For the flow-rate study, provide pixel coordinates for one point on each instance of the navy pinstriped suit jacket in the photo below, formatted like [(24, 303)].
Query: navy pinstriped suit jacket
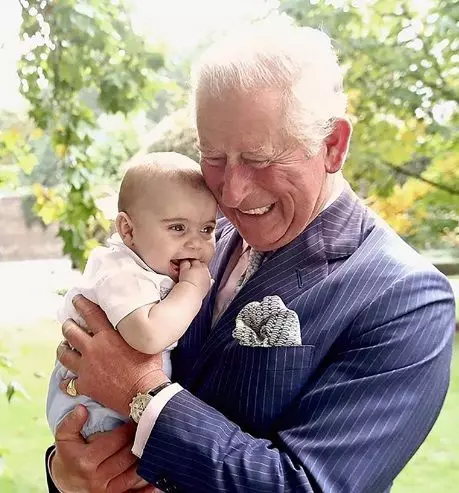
[(342, 413)]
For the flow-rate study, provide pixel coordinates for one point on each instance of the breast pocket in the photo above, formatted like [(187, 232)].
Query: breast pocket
[(257, 384)]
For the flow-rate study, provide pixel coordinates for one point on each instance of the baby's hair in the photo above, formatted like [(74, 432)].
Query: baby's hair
[(156, 167)]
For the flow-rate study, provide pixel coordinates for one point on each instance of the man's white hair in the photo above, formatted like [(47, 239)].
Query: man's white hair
[(298, 61)]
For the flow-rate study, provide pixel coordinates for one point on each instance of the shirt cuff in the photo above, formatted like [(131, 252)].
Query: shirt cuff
[(48, 465), (150, 416)]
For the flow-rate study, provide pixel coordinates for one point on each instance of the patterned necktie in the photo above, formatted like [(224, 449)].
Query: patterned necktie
[(248, 263), (255, 260)]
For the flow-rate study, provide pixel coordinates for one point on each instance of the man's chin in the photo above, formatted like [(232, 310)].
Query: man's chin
[(265, 233), (264, 240)]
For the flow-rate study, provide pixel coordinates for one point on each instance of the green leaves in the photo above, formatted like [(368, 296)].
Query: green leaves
[(402, 79), (16, 155), (9, 388), (88, 61), (16, 389), (27, 163), (5, 362)]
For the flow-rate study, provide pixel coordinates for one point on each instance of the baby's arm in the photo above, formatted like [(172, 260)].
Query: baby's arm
[(152, 328)]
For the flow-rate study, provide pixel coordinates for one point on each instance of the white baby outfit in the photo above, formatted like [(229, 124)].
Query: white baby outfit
[(119, 281)]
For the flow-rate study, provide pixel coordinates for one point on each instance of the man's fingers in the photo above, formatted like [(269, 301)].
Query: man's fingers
[(70, 359), (121, 461), (70, 427), (148, 489), (112, 442), (75, 335), (125, 481), (92, 314)]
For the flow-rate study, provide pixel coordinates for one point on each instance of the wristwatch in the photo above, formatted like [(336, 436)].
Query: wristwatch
[(140, 402)]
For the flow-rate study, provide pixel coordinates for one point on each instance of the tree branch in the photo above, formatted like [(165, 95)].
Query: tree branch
[(412, 174)]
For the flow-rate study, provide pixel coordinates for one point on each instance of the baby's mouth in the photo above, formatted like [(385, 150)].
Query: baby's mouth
[(174, 269)]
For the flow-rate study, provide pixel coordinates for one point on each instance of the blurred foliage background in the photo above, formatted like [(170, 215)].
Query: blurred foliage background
[(91, 80), (99, 85)]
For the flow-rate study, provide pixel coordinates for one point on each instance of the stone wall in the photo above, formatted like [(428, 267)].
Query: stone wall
[(23, 237)]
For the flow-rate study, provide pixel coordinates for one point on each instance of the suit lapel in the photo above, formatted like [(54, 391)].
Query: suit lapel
[(295, 268), (281, 275)]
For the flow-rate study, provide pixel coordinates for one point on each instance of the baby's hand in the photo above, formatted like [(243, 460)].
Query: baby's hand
[(196, 273)]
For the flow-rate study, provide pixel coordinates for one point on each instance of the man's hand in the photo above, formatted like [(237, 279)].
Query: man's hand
[(109, 370), (197, 273), (104, 465)]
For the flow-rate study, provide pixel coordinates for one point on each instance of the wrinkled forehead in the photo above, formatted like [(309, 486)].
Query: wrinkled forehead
[(242, 120)]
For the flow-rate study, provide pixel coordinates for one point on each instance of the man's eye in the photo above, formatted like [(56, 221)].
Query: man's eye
[(215, 160), (177, 227), (257, 163)]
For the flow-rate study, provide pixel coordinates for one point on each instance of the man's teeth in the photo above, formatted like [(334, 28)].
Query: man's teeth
[(259, 211)]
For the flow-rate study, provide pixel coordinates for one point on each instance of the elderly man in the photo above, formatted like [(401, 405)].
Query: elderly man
[(320, 359)]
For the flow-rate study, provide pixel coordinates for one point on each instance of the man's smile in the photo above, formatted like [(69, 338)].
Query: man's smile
[(259, 211)]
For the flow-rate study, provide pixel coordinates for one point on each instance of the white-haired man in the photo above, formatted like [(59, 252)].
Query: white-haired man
[(320, 360)]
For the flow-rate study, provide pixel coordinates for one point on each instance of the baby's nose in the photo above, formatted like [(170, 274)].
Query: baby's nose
[(193, 243)]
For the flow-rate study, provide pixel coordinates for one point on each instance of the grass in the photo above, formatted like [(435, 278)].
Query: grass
[(435, 467), (25, 434), (24, 431)]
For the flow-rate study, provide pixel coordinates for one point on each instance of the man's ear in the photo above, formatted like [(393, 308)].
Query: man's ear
[(125, 228), (337, 145)]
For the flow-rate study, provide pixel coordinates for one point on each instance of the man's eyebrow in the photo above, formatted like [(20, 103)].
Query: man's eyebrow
[(267, 149), (262, 148), (207, 147)]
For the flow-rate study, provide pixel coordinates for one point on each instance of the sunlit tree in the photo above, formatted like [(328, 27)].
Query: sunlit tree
[(85, 60)]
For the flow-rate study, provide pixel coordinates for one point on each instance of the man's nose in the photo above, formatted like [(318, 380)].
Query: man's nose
[(236, 184)]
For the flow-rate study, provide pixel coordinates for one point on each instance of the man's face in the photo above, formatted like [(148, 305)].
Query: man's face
[(263, 181)]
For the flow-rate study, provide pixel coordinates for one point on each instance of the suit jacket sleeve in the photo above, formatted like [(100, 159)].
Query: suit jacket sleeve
[(356, 425), (51, 486)]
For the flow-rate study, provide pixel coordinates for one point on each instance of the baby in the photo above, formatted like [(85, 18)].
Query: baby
[(153, 276)]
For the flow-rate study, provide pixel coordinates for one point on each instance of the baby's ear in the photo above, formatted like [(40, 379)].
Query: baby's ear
[(125, 228)]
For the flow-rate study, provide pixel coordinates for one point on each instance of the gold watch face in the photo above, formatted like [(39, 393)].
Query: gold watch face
[(138, 405)]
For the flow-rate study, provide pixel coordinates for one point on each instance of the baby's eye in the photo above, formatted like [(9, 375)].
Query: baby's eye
[(208, 230), (177, 227)]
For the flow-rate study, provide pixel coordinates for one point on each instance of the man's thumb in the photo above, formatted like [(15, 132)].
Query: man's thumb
[(70, 427)]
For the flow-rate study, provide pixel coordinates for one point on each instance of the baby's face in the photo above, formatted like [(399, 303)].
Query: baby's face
[(178, 223)]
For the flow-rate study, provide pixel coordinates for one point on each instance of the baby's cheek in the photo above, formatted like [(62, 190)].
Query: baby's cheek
[(210, 253)]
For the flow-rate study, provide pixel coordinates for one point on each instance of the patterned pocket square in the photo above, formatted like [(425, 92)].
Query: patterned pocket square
[(267, 323)]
